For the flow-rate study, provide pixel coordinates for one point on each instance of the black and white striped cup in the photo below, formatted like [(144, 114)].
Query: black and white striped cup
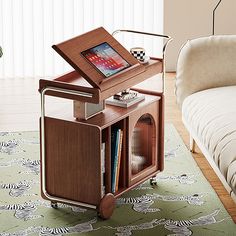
[(138, 53)]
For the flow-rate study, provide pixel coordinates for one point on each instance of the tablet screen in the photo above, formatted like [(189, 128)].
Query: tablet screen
[(105, 59)]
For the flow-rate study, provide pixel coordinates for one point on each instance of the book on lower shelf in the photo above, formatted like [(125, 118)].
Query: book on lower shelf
[(116, 146), (103, 168), (117, 176), (125, 103)]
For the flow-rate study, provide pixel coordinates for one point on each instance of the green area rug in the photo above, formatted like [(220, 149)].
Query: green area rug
[(182, 203)]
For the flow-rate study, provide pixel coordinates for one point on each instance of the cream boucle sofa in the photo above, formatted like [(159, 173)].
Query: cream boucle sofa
[(206, 93)]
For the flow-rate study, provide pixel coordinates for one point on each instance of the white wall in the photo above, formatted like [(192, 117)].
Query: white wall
[(28, 29), (187, 19)]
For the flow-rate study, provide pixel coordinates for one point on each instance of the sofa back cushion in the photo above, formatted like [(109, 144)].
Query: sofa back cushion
[(205, 63)]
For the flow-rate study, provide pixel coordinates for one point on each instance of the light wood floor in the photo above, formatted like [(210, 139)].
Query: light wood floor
[(20, 110)]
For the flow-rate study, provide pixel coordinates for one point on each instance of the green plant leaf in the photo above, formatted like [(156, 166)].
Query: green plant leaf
[(1, 53)]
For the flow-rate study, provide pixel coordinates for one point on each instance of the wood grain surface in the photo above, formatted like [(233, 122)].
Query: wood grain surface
[(71, 50), (73, 168)]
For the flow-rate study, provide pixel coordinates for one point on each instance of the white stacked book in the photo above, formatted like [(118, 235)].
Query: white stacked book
[(103, 168), (126, 102)]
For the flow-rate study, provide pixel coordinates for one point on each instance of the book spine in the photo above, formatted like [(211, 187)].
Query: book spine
[(103, 169), (115, 159), (119, 160)]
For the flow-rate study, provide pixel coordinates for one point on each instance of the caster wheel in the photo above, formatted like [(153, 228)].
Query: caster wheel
[(106, 206), (153, 182), (54, 205)]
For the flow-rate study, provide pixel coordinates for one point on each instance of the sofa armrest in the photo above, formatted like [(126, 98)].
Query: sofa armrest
[(205, 63)]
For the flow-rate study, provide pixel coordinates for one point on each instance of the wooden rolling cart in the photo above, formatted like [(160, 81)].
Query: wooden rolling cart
[(74, 170)]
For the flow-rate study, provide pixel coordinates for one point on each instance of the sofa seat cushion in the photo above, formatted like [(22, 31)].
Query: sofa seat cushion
[(211, 115)]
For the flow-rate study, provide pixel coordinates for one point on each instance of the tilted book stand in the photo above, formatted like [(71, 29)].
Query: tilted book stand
[(76, 153)]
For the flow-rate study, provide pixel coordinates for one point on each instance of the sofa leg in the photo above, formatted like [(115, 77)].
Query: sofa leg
[(192, 144)]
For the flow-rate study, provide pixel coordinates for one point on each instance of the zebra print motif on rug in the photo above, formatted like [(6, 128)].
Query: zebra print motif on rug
[(9, 147), (182, 203), (33, 166), (172, 153), (182, 179), (26, 210), (22, 211), (178, 227), (57, 231), (13, 146), (19, 189), (143, 203)]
